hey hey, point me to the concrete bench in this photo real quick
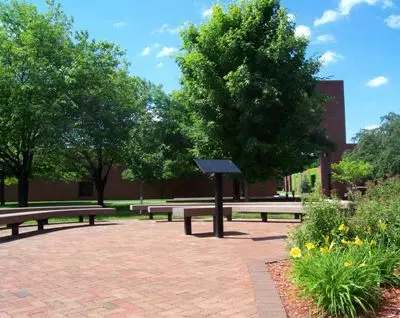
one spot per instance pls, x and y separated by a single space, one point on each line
187 212
296 209
14 220
49 208
169 210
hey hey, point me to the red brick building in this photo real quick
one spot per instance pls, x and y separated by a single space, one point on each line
119 189
334 122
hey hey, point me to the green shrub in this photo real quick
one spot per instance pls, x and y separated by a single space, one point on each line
345 278
379 211
305 186
322 218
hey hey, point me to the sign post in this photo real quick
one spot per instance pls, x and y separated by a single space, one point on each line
217 168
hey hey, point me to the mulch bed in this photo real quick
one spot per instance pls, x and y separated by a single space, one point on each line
297 306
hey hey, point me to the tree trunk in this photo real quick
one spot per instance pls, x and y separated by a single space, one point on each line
246 191
100 192
236 190
23 189
2 186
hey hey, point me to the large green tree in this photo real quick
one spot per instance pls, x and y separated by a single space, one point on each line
35 54
250 90
380 147
105 103
157 148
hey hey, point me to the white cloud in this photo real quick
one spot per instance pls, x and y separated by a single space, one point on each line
303 31
345 7
166 51
146 51
378 81
291 17
207 13
120 24
324 38
166 28
160 65
327 17
393 21
372 127
330 57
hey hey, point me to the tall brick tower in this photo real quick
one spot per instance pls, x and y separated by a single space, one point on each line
334 121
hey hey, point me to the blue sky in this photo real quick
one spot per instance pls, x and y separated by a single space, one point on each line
358 41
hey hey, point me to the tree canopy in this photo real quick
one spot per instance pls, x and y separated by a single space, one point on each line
35 52
250 90
380 147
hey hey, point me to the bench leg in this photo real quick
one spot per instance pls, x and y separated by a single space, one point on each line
151 216
264 217
229 217
81 219
15 229
91 219
170 217
41 224
188 225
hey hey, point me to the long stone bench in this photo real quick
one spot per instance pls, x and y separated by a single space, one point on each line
169 210
14 220
49 208
187 212
295 209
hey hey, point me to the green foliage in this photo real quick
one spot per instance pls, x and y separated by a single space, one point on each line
345 281
305 186
35 53
379 211
250 90
380 147
156 148
351 172
342 259
322 218
313 178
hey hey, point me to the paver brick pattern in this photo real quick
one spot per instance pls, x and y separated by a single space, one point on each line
135 269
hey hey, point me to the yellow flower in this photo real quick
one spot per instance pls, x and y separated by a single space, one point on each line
347 264
345 242
324 250
310 246
357 241
343 228
295 252
381 226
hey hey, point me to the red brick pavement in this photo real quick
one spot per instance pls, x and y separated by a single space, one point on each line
139 269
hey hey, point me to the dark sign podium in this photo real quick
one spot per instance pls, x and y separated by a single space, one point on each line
217 168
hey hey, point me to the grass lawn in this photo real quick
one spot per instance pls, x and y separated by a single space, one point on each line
123 212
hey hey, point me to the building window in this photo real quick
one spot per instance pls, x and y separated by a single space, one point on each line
85 189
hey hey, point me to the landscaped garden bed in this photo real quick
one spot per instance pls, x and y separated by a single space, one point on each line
298 306
345 263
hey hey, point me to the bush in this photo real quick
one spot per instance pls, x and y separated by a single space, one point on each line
345 278
322 218
305 186
379 211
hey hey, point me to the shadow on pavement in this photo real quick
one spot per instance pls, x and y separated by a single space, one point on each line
10 238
